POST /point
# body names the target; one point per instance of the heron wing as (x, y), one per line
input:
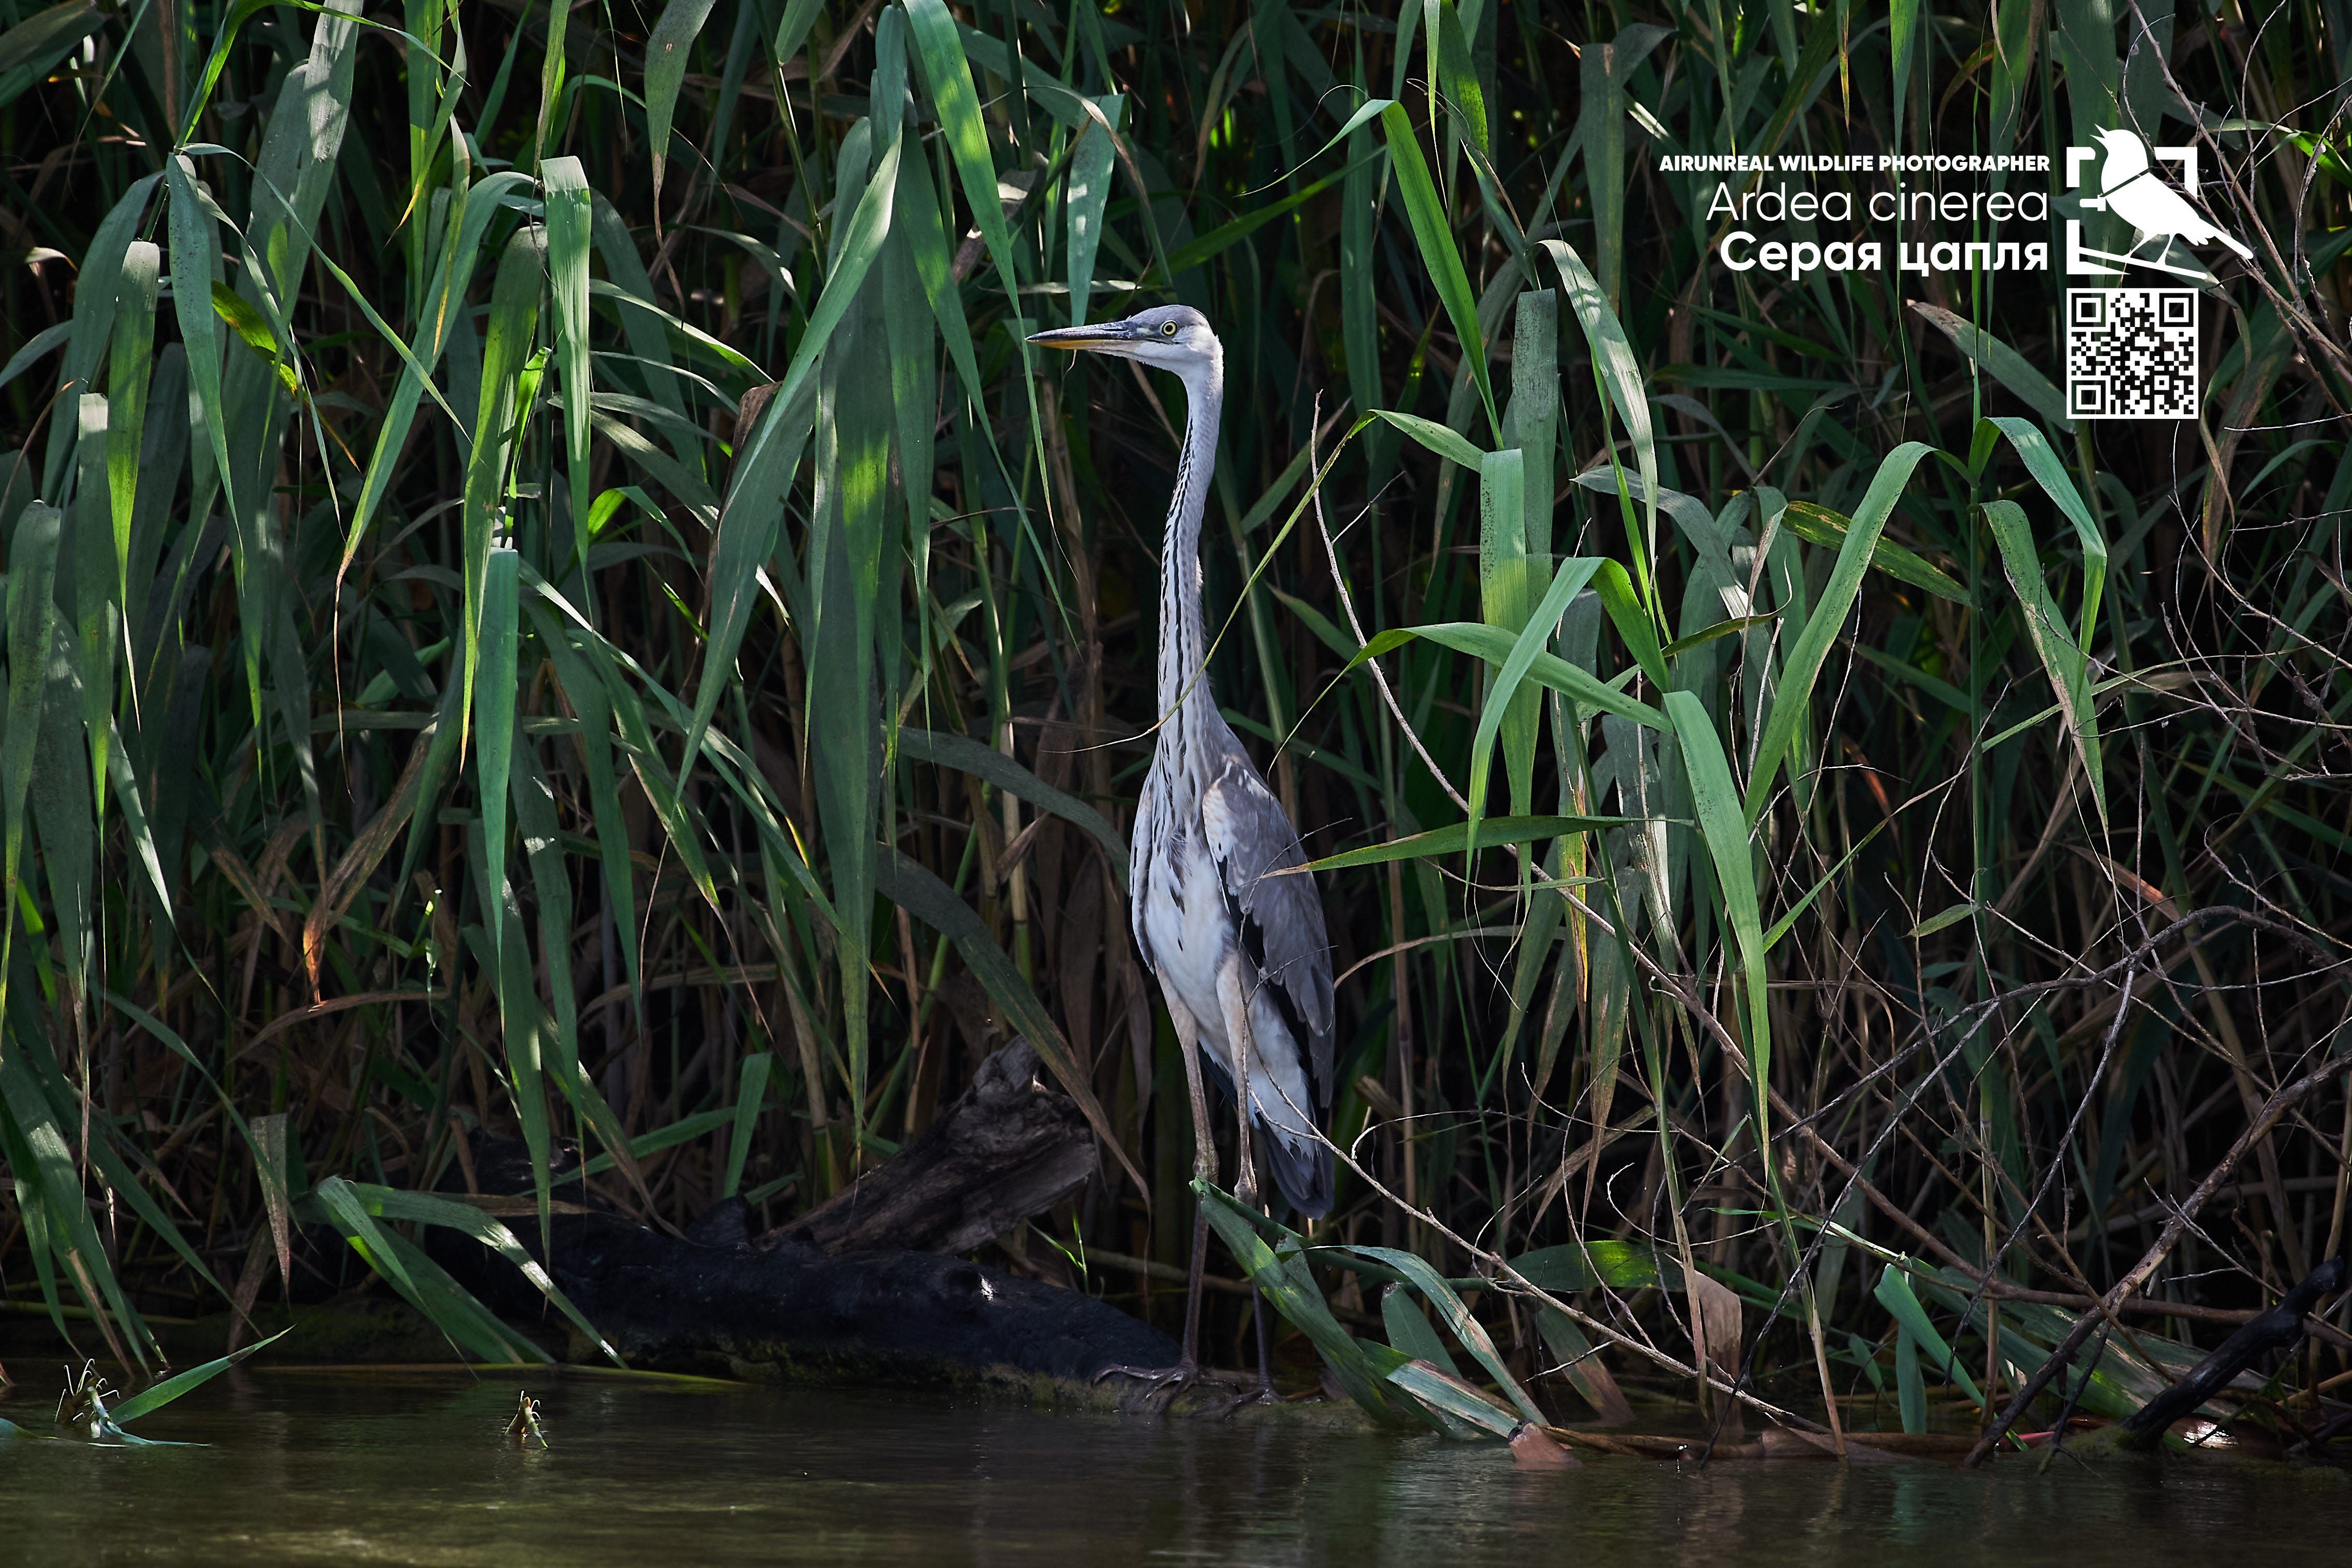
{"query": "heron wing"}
(1278, 920)
(1149, 816)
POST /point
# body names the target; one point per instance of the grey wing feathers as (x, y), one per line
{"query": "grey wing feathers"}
(1280, 917)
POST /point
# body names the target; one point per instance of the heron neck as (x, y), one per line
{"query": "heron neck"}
(1184, 645)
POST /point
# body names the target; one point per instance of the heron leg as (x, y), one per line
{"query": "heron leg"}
(1177, 1378)
(1188, 1044)
(1263, 1392)
(1204, 1166)
(1232, 999)
(1265, 1351)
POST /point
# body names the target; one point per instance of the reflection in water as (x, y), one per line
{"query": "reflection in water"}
(304, 1468)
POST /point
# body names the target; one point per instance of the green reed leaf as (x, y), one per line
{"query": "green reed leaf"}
(514, 318)
(423, 1283)
(667, 50)
(126, 393)
(748, 524)
(1895, 1293)
(154, 1398)
(427, 1209)
(1618, 371)
(2051, 474)
(1452, 1397)
(1804, 660)
(569, 219)
(1454, 839)
(969, 756)
(1529, 633)
(1089, 194)
(939, 48)
(1819, 526)
(1434, 234)
(50, 1185)
(1457, 76)
(1724, 828)
(196, 252)
(1282, 1272)
(1450, 444)
(1466, 1329)
(2000, 362)
(1410, 1333)
(494, 707)
(2062, 658)
(1495, 646)
(750, 1095)
(32, 614)
(31, 49)
(922, 894)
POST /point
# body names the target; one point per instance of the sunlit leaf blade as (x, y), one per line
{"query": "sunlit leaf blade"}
(948, 75)
(747, 527)
(1447, 443)
(1496, 645)
(569, 217)
(422, 1282)
(1615, 367)
(161, 1393)
(424, 1208)
(1466, 1329)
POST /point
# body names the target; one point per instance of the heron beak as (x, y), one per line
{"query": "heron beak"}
(1111, 336)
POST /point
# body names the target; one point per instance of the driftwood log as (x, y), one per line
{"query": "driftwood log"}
(2104, 1310)
(1010, 1148)
(891, 1305)
(2279, 1328)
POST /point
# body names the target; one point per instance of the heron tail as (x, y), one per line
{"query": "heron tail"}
(1301, 1162)
(1302, 1171)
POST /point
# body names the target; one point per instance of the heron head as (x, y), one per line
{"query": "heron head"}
(1172, 336)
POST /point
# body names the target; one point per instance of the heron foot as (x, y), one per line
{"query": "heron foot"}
(1262, 1394)
(1150, 1381)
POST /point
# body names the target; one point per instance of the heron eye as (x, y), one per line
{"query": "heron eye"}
(1168, 329)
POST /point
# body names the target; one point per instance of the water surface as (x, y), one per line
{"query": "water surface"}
(309, 1467)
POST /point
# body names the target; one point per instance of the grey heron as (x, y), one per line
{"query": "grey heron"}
(1241, 957)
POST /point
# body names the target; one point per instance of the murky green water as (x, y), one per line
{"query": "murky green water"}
(343, 1468)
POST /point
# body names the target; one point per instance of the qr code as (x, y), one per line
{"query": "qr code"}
(2131, 353)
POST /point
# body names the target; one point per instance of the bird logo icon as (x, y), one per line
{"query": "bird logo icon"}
(2130, 188)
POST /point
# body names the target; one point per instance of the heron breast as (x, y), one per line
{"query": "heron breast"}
(1184, 924)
